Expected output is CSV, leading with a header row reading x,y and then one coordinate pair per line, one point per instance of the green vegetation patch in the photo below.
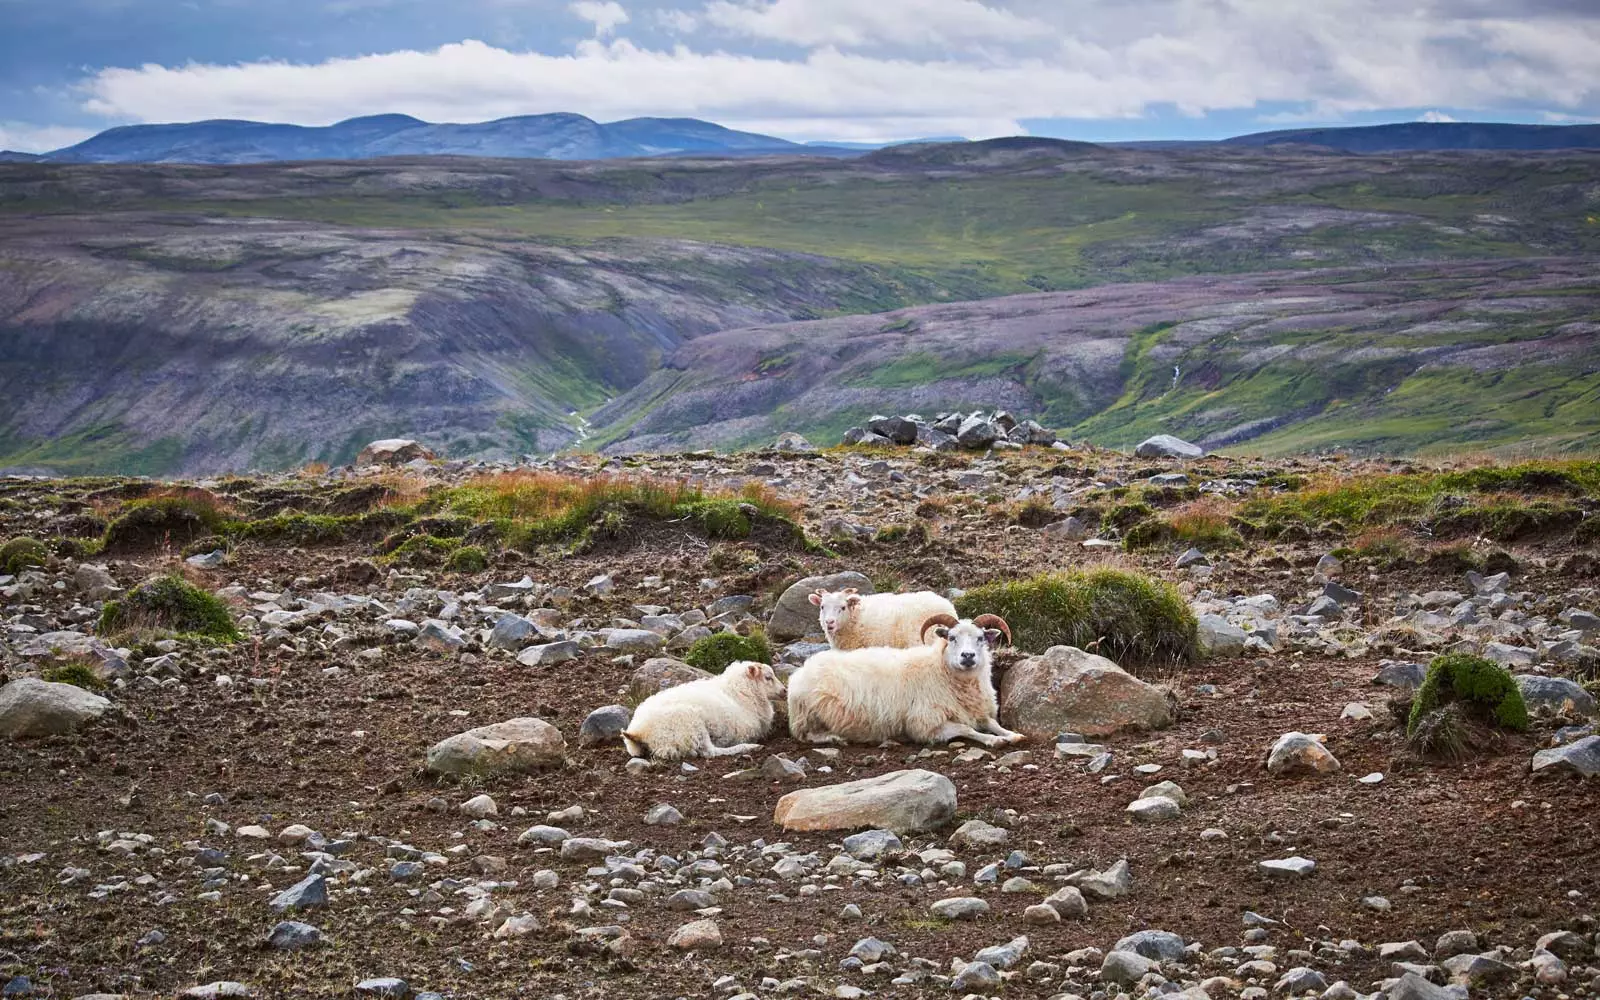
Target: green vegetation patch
x,y
714,652
74,672
1484,687
174,519
468,559
170,604
1137,620
21,553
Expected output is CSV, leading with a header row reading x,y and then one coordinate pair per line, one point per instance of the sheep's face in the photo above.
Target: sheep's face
x,y
760,676
966,646
835,608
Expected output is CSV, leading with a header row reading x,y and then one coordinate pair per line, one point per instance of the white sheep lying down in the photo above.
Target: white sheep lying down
x,y
717,716
853,620
925,694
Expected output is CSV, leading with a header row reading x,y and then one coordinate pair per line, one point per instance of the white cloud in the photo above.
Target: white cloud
x,y
904,68
22,137
606,15
1435,117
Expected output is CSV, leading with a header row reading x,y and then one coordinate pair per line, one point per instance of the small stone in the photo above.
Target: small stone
x,y
1291,867
1068,903
1126,967
292,935
604,726
309,892
479,807
701,935
663,814
1299,753
960,908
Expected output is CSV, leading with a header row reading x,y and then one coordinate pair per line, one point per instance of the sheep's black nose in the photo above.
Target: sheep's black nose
x,y
967,659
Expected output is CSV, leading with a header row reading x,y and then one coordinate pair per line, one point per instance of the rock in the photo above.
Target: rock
x,y
601,585
896,429
604,726
1039,913
548,653
590,848
1068,902
1155,809
701,935
306,894
661,673
795,618
902,801
1569,945
1163,946
384,986
479,807
871,845
1218,637
543,835
975,976
1413,987
32,707
1555,694
1578,757
1071,529
1113,883
635,640
662,814
1300,980
1167,446
1069,689
1407,676
1127,967
392,451
1299,753
441,637
789,441
96,583
217,991
516,746
976,433
1291,867
960,908
1193,557
977,833
1453,943
292,935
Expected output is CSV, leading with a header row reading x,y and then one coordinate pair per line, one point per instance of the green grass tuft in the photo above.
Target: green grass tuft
x,y
1483,686
172,604
714,652
177,518
21,553
76,673
468,559
1139,620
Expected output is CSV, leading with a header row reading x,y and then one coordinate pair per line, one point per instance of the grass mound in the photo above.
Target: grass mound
x,y
1479,685
468,559
76,673
170,603
1138,620
175,518
542,508
21,553
714,652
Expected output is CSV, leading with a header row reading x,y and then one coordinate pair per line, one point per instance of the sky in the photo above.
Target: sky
x,y
807,70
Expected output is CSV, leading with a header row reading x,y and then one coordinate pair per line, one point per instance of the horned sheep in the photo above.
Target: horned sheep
x,y
925,694
852,620
712,717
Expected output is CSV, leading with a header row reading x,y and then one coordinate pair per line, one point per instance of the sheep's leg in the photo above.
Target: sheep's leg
x,y
994,726
961,731
827,739
712,750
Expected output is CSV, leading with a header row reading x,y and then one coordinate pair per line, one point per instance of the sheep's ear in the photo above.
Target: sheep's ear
x,y
753,670
816,598
850,590
993,635
941,632
854,601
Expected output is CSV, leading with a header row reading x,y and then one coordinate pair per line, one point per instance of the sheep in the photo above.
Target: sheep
x,y
925,694
855,621
692,719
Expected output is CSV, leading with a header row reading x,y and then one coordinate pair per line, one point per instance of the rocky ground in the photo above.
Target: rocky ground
x,y
269,817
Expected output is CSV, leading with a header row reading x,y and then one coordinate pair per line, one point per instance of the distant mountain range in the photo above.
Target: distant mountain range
x,y
575,137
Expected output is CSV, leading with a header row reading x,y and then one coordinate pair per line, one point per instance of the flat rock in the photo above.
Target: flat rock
x,y
959,908
1113,883
795,618
217,991
308,893
699,935
1167,446
1127,967
1067,688
1555,694
1219,637
547,653
902,801
634,640
516,746
661,673
292,935
392,451
1578,757
32,707
1163,946
1290,867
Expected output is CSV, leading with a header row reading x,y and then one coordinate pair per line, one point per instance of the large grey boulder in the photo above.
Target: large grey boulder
x,y
1069,690
392,451
515,746
1167,446
977,432
1578,757
902,801
789,441
896,429
1557,694
1216,636
1300,753
795,617
658,674
32,707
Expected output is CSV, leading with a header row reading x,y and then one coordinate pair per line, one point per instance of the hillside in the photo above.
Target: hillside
x,y
1430,136
205,318
549,136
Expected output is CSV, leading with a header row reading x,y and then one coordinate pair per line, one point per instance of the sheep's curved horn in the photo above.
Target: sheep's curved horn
x,y
994,621
945,620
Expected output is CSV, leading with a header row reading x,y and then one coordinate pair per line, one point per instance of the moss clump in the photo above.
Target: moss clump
x,y
20,553
172,604
1138,620
421,550
76,673
1481,685
468,559
714,652
175,519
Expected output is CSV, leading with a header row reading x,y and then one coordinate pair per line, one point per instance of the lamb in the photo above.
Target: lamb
x,y
855,621
700,718
925,694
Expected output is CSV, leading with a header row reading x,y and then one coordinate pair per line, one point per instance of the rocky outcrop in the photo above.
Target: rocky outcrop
x,y
902,801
